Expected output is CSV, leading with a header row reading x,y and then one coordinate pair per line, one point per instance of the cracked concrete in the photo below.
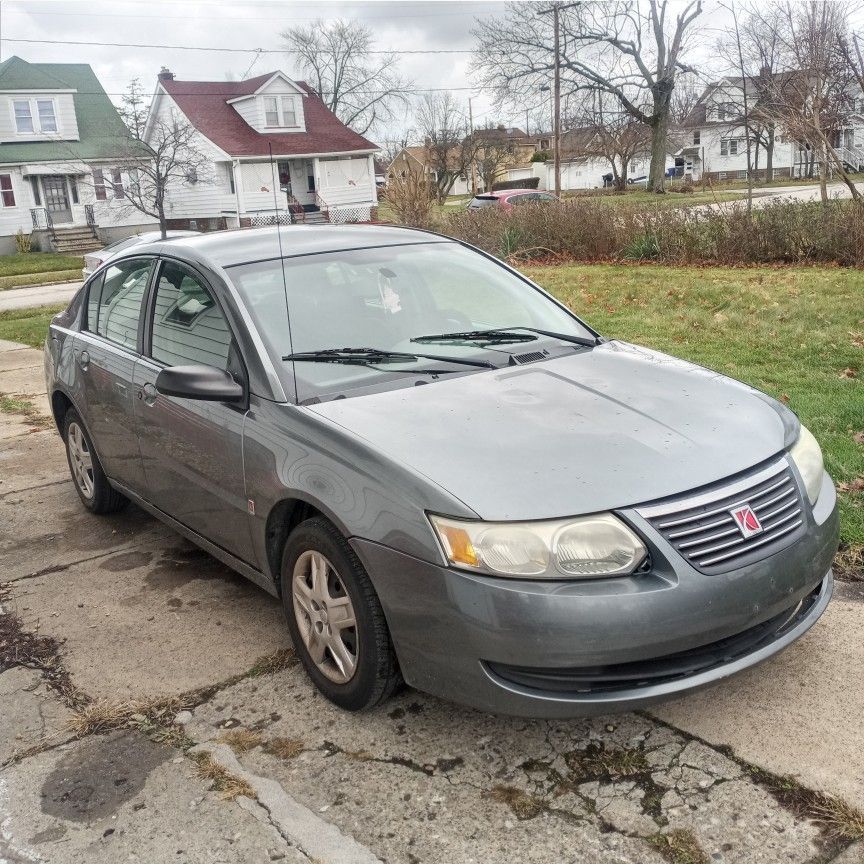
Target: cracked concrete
x,y
139,613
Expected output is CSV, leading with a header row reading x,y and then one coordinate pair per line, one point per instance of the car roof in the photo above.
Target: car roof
x,y
244,245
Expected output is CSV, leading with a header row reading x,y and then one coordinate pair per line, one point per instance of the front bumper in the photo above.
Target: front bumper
x,y
461,636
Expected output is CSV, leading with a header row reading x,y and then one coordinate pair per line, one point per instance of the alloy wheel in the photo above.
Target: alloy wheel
x,y
80,459
325,616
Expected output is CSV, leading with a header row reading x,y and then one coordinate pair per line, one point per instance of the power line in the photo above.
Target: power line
x,y
225,50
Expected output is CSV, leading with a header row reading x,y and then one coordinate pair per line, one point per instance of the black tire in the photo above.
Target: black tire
x,y
102,497
376,676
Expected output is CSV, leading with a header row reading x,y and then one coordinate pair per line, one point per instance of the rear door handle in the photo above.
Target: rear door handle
x,y
84,360
148,394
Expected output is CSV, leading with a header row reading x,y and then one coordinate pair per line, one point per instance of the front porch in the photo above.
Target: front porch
x,y
335,190
59,218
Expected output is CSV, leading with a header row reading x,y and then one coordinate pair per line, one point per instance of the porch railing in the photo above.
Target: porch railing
x,y
853,156
90,215
42,219
345,214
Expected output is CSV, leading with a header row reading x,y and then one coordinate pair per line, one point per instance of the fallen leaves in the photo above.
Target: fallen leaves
x,y
853,486
849,372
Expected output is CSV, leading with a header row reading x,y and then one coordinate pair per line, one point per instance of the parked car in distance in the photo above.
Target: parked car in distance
x,y
444,473
638,181
507,199
92,260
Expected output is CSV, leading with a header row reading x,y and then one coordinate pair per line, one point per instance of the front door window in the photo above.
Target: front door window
x,y
56,194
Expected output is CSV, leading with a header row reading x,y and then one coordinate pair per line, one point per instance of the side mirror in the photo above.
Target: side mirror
x,y
199,382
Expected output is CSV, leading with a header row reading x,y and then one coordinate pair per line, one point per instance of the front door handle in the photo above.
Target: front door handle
x,y
148,393
84,360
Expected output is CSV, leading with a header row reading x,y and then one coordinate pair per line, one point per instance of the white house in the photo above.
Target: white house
x,y
65,157
716,145
275,153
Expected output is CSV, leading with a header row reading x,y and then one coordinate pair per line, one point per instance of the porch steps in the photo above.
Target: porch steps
x,y
315,217
75,241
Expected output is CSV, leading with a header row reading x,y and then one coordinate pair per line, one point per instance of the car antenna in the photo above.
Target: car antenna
x,y
274,177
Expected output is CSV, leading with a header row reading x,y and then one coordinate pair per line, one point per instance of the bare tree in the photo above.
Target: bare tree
x,y
633,51
814,97
362,89
613,135
449,148
162,152
684,98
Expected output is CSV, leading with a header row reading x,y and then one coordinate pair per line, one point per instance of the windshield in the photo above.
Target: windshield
x,y
384,297
479,201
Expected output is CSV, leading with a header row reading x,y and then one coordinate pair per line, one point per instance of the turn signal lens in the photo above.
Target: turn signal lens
x,y
584,548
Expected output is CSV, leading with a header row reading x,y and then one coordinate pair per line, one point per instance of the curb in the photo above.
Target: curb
x,y
315,838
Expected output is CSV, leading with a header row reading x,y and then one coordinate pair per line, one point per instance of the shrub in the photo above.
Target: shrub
x,y
587,228
410,199
23,243
526,183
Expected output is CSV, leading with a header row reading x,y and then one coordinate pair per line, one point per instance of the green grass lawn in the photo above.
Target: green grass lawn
x,y
37,268
796,333
27,325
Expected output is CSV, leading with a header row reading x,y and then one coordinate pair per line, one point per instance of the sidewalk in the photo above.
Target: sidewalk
x,y
37,295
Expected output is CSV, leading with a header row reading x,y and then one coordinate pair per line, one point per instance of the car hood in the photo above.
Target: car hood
x,y
611,427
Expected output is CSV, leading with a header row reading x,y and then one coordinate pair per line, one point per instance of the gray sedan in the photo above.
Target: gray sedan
x,y
93,260
447,477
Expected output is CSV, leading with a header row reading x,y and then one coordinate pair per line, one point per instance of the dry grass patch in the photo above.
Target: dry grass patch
x,y
24,408
597,762
849,563
223,781
680,846
241,740
839,820
270,663
148,715
523,805
284,748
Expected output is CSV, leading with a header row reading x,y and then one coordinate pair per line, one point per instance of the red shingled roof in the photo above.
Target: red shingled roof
x,y
205,103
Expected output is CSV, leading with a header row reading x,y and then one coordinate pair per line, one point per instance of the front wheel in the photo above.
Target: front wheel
x,y
335,618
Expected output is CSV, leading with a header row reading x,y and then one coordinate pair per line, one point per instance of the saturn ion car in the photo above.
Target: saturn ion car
x,y
446,475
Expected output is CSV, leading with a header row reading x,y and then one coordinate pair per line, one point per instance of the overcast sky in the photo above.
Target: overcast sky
x,y
252,24
239,24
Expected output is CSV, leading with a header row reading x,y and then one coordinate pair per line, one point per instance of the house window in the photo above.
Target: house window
x,y
73,189
742,175
271,111
47,118
284,171
191,175
230,169
697,137
6,190
721,175
729,146
23,117
280,111
310,180
117,183
99,184
37,198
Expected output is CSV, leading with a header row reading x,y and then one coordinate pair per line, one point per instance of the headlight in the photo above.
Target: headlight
x,y
807,455
585,548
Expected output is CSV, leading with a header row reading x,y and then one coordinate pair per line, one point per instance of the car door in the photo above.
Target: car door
x,y
106,351
192,451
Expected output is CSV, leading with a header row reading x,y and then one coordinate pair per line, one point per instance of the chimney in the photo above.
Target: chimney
x,y
165,74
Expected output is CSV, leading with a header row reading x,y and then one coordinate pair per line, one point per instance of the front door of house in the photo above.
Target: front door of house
x,y
56,192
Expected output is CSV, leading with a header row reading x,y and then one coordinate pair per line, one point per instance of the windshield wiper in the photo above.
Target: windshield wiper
x,y
365,356
502,335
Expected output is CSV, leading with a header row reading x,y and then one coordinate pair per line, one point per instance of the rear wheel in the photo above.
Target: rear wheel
x,y
335,618
91,484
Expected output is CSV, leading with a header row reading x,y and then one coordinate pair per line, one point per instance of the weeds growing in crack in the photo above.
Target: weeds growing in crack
x,y
284,748
241,740
270,663
679,846
20,647
523,805
223,781
598,762
24,408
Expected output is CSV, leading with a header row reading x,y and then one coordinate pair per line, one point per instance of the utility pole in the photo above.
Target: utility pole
x,y
556,89
473,165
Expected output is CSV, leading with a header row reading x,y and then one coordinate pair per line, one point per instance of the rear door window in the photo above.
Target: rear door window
x,y
114,301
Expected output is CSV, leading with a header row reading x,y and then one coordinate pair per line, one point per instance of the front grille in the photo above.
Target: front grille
x,y
707,535
657,670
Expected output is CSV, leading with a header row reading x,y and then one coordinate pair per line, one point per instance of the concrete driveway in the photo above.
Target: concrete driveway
x,y
151,711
